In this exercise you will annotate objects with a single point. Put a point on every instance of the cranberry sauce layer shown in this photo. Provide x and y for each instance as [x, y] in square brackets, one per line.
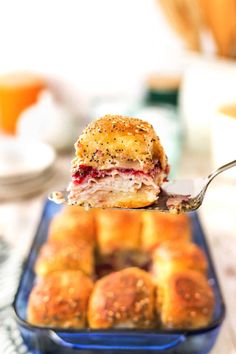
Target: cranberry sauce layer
[85, 172]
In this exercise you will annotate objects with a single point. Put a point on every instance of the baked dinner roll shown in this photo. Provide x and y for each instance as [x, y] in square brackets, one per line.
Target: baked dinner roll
[175, 256]
[79, 211]
[73, 225]
[65, 255]
[185, 300]
[124, 299]
[118, 230]
[60, 300]
[119, 162]
[159, 227]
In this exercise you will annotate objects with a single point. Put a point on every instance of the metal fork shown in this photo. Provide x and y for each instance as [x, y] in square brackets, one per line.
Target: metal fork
[176, 196]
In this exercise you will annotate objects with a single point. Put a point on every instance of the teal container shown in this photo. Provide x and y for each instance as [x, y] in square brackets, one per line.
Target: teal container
[162, 90]
[160, 108]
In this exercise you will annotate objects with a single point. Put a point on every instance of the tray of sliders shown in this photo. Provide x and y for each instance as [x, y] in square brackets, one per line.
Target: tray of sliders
[118, 281]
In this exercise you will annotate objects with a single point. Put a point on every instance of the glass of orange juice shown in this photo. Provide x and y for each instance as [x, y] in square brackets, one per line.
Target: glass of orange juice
[17, 92]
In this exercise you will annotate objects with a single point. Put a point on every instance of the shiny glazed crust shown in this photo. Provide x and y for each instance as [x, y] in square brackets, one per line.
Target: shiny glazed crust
[79, 212]
[185, 300]
[68, 225]
[60, 300]
[160, 227]
[170, 257]
[117, 141]
[118, 230]
[65, 255]
[124, 299]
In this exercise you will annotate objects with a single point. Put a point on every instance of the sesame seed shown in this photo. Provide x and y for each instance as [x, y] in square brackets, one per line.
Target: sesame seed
[139, 283]
[110, 294]
[117, 315]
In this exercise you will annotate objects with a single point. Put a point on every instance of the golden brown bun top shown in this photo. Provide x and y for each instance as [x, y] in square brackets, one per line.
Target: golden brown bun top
[191, 289]
[117, 218]
[168, 224]
[130, 280]
[168, 219]
[65, 247]
[180, 251]
[77, 210]
[60, 299]
[123, 296]
[67, 224]
[160, 227]
[66, 284]
[65, 254]
[117, 141]
[185, 300]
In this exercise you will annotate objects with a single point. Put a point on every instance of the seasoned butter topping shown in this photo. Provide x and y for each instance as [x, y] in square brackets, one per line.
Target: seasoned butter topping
[117, 141]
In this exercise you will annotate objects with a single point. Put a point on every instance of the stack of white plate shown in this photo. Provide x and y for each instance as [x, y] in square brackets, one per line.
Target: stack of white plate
[26, 167]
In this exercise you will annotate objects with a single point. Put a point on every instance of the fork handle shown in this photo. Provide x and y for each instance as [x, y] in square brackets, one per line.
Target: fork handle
[220, 170]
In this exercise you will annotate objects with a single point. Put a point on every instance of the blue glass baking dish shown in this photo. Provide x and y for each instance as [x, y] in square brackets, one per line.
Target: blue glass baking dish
[54, 340]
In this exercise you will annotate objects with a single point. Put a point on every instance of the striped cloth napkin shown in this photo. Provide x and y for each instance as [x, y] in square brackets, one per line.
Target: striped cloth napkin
[10, 270]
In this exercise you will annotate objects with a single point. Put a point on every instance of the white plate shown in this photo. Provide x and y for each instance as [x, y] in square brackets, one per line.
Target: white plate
[21, 158]
[22, 180]
[42, 183]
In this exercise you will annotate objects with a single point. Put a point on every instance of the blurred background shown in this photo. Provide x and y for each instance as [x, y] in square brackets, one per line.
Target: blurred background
[64, 63]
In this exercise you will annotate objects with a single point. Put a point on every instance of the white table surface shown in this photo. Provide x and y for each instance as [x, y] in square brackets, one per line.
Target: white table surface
[19, 220]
